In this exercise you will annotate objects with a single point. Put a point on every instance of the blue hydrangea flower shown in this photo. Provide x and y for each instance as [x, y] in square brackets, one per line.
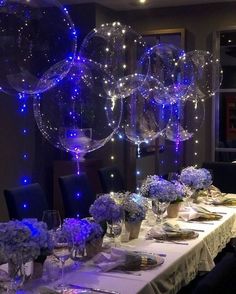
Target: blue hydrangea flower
[105, 208]
[196, 178]
[158, 188]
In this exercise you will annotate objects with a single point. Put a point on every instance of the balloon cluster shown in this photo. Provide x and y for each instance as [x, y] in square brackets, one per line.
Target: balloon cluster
[116, 80]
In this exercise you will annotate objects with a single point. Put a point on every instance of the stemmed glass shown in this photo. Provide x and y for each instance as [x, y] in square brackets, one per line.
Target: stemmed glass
[52, 219]
[159, 208]
[172, 176]
[62, 251]
[113, 231]
[77, 249]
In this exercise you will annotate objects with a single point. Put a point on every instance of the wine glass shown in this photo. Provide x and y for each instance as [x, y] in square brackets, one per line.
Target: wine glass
[159, 208]
[62, 251]
[114, 229]
[52, 219]
[173, 176]
[77, 249]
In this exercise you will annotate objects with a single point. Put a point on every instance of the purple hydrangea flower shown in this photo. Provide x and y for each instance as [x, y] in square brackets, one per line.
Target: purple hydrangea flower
[196, 178]
[105, 208]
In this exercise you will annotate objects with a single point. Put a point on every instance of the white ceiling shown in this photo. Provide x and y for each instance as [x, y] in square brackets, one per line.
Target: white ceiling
[134, 4]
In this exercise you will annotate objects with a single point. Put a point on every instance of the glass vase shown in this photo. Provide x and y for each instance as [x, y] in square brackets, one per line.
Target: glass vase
[159, 209]
[16, 272]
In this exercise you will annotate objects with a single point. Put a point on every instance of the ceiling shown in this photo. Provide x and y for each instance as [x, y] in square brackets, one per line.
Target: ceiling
[134, 4]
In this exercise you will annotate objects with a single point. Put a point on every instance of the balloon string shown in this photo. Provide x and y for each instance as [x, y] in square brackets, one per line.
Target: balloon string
[139, 150]
[77, 163]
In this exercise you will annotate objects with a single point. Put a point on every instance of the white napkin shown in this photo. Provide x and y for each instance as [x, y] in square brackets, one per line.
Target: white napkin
[109, 261]
[193, 212]
[188, 213]
[157, 231]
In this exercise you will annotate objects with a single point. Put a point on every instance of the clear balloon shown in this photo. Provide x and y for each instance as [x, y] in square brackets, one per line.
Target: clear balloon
[35, 35]
[164, 62]
[74, 117]
[186, 120]
[118, 48]
[206, 67]
[144, 118]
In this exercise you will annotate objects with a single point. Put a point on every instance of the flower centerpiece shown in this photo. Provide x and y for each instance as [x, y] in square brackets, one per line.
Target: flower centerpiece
[106, 209]
[134, 209]
[22, 241]
[196, 179]
[25, 240]
[161, 191]
[83, 233]
[180, 192]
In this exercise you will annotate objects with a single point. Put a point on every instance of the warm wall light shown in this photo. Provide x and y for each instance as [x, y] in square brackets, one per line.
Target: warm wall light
[142, 1]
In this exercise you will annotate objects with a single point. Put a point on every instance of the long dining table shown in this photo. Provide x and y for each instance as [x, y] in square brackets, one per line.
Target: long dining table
[182, 260]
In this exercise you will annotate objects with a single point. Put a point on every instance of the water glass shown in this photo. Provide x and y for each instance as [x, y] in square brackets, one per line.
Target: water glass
[52, 219]
[62, 251]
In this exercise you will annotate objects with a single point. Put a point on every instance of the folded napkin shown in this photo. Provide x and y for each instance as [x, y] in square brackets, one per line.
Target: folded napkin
[197, 212]
[125, 260]
[170, 232]
[225, 201]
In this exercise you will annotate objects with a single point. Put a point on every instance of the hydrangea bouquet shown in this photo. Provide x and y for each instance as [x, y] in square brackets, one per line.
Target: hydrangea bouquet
[180, 191]
[157, 188]
[196, 178]
[21, 241]
[134, 208]
[81, 231]
[105, 208]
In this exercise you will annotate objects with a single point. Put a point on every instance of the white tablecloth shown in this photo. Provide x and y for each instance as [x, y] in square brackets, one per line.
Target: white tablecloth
[182, 262]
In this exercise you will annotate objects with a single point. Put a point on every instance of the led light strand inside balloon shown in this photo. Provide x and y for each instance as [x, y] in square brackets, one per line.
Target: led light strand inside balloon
[23, 110]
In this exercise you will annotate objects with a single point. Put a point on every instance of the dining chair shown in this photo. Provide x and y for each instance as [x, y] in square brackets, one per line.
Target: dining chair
[26, 201]
[77, 195]
[224, 175]
[111, 179]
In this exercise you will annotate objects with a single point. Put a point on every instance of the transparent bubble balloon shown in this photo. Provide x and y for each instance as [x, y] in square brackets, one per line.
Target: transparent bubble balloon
[206, 68]
[118, 48]
[75, 118]
[144, 118]
[164, 62]
[151, 88]
[186, 120]
[35, 35]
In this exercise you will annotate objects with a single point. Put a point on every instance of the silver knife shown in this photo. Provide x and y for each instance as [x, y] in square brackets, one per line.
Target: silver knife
[93, 289]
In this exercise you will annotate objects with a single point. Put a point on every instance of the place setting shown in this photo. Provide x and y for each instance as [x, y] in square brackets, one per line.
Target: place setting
[173, 234]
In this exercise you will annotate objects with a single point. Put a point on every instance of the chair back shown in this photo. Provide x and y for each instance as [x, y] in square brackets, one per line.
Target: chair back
[77, 195]
[26, 202]
[111, 179]
[224, 175]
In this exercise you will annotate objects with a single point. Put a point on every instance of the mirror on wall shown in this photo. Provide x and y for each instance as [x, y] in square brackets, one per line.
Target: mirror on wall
[224, 105]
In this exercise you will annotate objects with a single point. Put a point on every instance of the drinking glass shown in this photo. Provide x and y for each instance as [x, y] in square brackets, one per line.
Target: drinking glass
[113, 231]
[173, 176]
[159, 209]
[62, 251]
[16, 272]
[52, 219]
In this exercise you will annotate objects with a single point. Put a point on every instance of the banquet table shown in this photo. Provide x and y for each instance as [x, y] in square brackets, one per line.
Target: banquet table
[181, 263]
